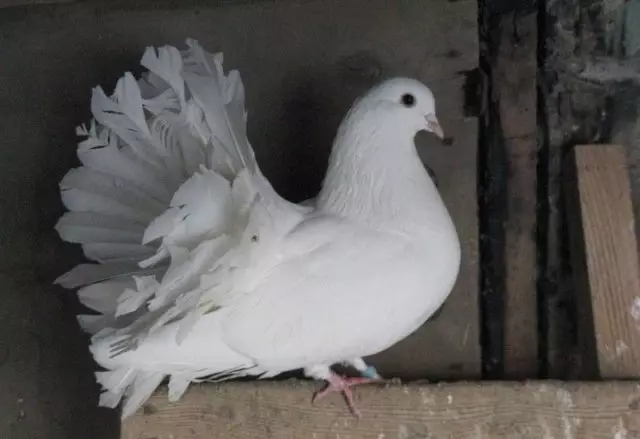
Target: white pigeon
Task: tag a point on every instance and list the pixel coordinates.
(204, 273)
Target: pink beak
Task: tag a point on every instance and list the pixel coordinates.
(434, 125)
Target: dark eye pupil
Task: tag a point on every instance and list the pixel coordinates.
(408, 100)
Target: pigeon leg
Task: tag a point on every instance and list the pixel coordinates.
(365, 369)
(336, 383)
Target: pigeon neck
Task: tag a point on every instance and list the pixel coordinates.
(376, 177)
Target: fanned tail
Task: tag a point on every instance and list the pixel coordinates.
(172, 206)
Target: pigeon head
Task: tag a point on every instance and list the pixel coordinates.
(410, 100)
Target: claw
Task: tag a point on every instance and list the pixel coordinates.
(343, 385)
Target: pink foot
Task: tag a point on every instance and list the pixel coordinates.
(343, 385)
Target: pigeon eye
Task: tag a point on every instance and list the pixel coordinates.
(408, 100)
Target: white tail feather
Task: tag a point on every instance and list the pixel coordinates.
(85, 274)
(124, 115)
(131, 299)
(168, 173)
(177, 386)
(103, 296)
(112, 188)
(84, 201)
(91, 323)
(84, 227)
(117, 382)
(112, 161)
(140, 390)
(167, 65)
(110, 251)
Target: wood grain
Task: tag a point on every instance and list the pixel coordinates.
(12, 3)
(463, 410)
(514, 78)
(605, 258)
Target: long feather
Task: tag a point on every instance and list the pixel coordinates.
(113, 161)
(85, 227)
(113, 188)
(140, 390)
(166, 64)
(108, 251)
(103, 296)
(208, 95)
(214, 92)
(178, 384)
(117, 382)
(84, 201)
(168, 173)
(85, 274)
(134, 297)
(124, 115)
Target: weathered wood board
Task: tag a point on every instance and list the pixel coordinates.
(489, 410)
(303, 63)
(590, 96)
(514, 91)
(13, 3)
(605, 258)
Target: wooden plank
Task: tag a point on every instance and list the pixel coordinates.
(514, 89)
(12, 3)
(605, 257)
(577, 109)
(463, 410)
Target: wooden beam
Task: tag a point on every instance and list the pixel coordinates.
(573, 109)
(605, 258)
(13, 3)
(514, 89)
(488, 410)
